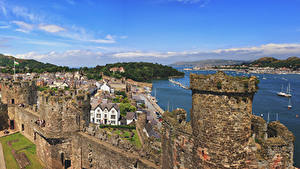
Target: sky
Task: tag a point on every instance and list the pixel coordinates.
(96, 32)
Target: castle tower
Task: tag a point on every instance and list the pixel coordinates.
(221, 120)
(18, 92)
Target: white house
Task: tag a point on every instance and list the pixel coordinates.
(106, 113)
(59, 84)
(130, 117)
(105, 87)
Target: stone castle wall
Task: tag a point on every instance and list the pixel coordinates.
(221, 120)
(276, 143)
(177, 141)
(224, 133)
(55, 123)
(3, 116)
(17, 92)
(91, 152)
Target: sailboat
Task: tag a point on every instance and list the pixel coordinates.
(281, 93)
(288, 92)
(290, 104)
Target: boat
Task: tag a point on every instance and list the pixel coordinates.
(290, 104)
(285, 94)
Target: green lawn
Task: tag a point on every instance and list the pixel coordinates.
(22, 145)
(126, 134)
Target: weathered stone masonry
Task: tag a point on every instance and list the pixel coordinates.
(224, 133)
(56, 121)
(221, 120)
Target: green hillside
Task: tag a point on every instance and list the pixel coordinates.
(139, 71)
(27, 65)
(291, 62)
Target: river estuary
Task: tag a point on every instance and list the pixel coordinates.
(265, 102)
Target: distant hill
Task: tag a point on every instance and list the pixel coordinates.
(209, 62)
(138, 71)
(27, 65)
(291, 62)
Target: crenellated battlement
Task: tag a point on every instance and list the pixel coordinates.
(222, 83)
(224, 132)
(63, 97)
(18, 92)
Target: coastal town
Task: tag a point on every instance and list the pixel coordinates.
(113, 101)
(121, 108)
(75, 123)
(248, 70)
(149, 84)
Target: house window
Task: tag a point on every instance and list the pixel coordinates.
(12, 101)
(112, 122)
(113, 111)
(113, 116)
(98, 111)
(105, 115)
(98, 115)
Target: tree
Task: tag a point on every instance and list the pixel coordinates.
(126, 107)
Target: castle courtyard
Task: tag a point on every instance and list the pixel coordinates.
(19, 152)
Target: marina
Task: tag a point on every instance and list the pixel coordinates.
(265, 100)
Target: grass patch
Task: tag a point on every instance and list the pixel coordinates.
(126, 134)
(135, 140)
(22, 145)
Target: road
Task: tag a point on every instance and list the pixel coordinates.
(152, 107)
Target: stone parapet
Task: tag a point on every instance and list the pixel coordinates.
(222, 83)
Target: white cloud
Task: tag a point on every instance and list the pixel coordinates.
(4, 26)
(57, 55)
(23, 27)
(102, 40)
(30, 55)
(73, 58)
(202, 3)
(22, 30)
(51, 28)
(123, 37)
(46, 43)
(108, 39)
(2, 7)
(136, 54)
(24, 13)
(93, 57)
(267, 49)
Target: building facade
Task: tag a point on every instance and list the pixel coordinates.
(106, 113)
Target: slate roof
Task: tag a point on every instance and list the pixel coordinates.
(131, 116)
(108, 106)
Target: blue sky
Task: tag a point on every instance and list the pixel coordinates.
(96, 32)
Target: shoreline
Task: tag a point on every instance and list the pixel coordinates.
(256, 72)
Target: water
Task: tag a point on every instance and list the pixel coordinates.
(265, 100)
